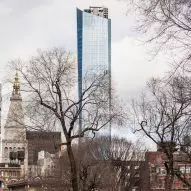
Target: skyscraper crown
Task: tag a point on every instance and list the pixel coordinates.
(98, 11)
(16, 85)
(16, 88)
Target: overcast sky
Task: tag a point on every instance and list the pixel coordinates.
(26, 25)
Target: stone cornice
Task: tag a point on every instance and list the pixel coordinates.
(13, 141)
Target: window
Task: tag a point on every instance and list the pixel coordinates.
(136, 167)
(14, 173)
(187, 170)
(105, 72)
(6, 152)
(162, 170)
(182, 169)
(153, 169)
(6, 174)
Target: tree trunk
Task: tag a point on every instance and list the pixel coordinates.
(73, 169)
(170, 174)
(168, 182)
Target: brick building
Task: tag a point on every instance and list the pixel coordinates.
(154, 173)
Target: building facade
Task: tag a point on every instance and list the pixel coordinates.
(14, 139)
(94, 48)
(20, 147)
(9, 172)
(154, 174)
(41, 141)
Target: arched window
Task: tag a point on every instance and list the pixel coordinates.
(14, 149)
(10, 150)
(6, 152)
(14, 173)
(18, 148)
(6, 173)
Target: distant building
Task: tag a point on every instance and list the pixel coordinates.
(186, 145)
(45, 175)
(47, 165)
(129, 174)
(14, 130)
(36, 184)
(94, 48)
(38, 141)
(19, 146)
(154, 174)
(9, 172)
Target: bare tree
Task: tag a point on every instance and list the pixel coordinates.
(107, 166)
(168, 25)
(163, 114)
(50, 84)
(115, 162)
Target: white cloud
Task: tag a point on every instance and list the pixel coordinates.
(4, 10)
(131, 67)
(28, 25)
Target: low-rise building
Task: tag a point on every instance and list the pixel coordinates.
(154, 173)
(9, 172)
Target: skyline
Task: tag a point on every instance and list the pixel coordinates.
(36, 27)
(46, 24)
(95, 95)
(94, 53)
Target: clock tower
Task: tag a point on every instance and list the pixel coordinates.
(14, 138)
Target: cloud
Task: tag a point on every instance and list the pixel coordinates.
(4, 10)
(131, 67)
(29, 25)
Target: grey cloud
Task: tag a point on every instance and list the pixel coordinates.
(20, 7)
(48, 23)
(26, 25)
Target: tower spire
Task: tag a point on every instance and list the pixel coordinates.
(14, 129)
(16, 85)
(15, 117)
(16, 88)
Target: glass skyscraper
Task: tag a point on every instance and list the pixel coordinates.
(94, 44)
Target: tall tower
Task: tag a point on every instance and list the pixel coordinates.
(94, 47)
(14, 130)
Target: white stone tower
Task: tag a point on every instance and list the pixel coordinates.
(14, 130)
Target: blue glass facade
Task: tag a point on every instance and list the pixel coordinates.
(94, 46)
